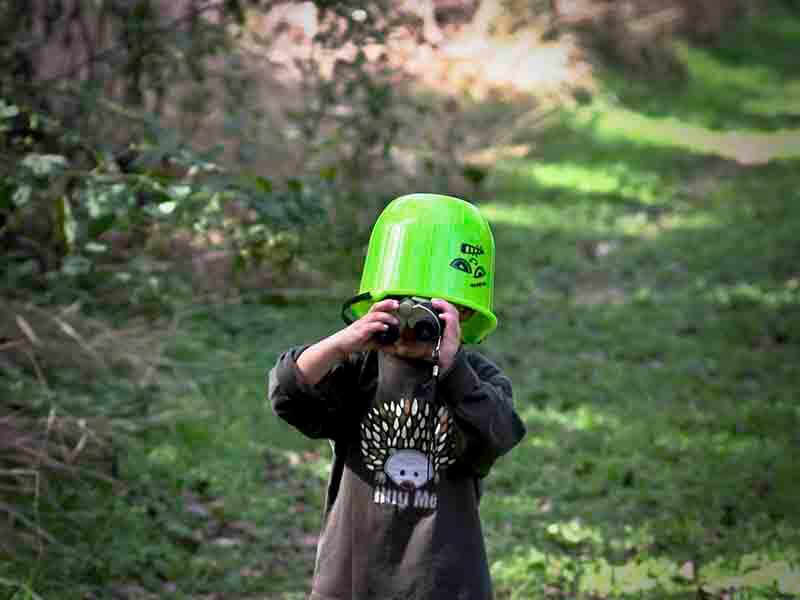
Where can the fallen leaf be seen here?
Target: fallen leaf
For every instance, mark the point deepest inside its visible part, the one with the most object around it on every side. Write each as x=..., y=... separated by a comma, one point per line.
x=198, y=510
x=250, y=572
x=170, y=587
x=226, y=542
x=687, y=571
x=217, y=509
x=247, y=527
x=552, y=591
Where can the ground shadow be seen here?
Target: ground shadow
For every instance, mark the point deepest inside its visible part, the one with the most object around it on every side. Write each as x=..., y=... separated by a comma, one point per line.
x=741, y=82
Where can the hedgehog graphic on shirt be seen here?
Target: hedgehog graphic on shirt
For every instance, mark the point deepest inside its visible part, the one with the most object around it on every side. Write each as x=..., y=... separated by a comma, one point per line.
x=406, y=443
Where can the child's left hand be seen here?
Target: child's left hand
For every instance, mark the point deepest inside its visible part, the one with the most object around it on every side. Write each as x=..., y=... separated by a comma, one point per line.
x=451, y=340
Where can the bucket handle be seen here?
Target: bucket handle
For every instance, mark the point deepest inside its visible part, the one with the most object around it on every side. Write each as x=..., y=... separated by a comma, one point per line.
x=347, y=314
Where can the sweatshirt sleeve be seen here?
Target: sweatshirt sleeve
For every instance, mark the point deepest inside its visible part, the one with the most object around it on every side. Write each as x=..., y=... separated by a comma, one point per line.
x=314, y=410
x=479, y=396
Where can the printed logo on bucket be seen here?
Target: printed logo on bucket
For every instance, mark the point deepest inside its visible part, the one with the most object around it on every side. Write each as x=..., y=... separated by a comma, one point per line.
x=469, y=264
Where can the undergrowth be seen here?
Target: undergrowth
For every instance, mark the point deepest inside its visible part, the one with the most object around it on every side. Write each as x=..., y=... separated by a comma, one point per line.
x=649, y=304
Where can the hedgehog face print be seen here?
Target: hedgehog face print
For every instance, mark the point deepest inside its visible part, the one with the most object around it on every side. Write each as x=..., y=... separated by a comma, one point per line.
x=405, y=444
x=408, y=469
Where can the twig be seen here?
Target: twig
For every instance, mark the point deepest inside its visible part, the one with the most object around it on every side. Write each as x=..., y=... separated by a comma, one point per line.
x=70, y=331
x=27, y=330
x=15, y=514
x=43, y=460
x=37, y=369
x=12, y=344
x=17, y=474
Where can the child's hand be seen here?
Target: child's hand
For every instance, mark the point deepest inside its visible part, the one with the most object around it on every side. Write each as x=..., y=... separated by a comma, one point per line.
x=318, y=359
x=358, y=336
x=451, y=340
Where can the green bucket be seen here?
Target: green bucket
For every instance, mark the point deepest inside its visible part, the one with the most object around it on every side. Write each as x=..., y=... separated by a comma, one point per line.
x=432, y=246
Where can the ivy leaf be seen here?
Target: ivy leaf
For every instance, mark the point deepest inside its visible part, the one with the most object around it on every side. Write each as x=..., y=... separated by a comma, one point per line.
x=8, y=111
x=66, y=224
x=181, y=192
x=96, y=248
x=76, y=265
x=22, y=195
x=101, y=224
x=263, y=184
x=167, y=208
x=45, y=165
x=328, y=173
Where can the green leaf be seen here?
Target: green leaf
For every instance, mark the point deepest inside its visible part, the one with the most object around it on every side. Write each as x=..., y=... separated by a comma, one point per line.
x=8, y=111
x=22, y=195
x=96, y=248
x=76, y=265
x=180, y=192
x=100, y=225
x=263, y=184
x=167, y=208
x=97, y=203
x=45, y=165
x=328, y=173
x=66, y=224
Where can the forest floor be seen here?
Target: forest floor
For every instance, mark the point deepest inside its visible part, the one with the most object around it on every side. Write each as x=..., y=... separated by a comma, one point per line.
x=648, y=293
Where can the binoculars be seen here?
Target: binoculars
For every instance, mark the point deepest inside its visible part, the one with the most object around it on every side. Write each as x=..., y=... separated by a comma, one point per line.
x=418, y=315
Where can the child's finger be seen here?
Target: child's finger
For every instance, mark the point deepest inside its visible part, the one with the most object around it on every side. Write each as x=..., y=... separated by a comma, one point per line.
x=448, y=317
x=377, y=326
x=384, y=317
x=370, y=329
x=387, y=305
x=449, y=314
x=444, y=306
x=452, y=325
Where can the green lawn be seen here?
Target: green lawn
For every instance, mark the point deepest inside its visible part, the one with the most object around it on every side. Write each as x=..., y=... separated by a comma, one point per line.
x=655, y=355
x=648, y=291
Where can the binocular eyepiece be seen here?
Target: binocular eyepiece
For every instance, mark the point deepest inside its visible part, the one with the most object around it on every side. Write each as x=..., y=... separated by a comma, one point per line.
x=418, y=315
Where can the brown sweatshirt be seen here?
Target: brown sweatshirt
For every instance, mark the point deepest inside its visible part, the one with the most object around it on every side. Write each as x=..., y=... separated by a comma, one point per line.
x=401, y=514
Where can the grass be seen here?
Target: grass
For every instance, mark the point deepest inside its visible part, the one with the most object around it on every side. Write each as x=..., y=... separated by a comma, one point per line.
x=648, y=291
x=747, y=81
x=658, y=380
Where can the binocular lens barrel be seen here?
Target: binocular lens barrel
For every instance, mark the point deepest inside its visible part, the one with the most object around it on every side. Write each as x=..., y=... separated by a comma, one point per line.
x=420, y=317
x=425, y=331
x=388, y=337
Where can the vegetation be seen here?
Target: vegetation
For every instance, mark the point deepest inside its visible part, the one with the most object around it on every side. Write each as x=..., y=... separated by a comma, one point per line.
x=648, y=295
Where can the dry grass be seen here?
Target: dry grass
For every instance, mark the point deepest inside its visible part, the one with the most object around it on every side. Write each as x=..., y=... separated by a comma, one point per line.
x=44, y=340
x=40, y=443
x=34, y=451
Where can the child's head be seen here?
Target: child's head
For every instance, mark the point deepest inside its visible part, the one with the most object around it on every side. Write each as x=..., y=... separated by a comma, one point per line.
x=409, y=345
x=432, y=246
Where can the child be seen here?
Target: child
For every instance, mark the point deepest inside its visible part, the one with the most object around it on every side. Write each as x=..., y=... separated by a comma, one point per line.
x=415, y=420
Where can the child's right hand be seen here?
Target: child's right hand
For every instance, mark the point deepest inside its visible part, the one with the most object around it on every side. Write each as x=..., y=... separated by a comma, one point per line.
x=359, y=336
x=318, y=359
